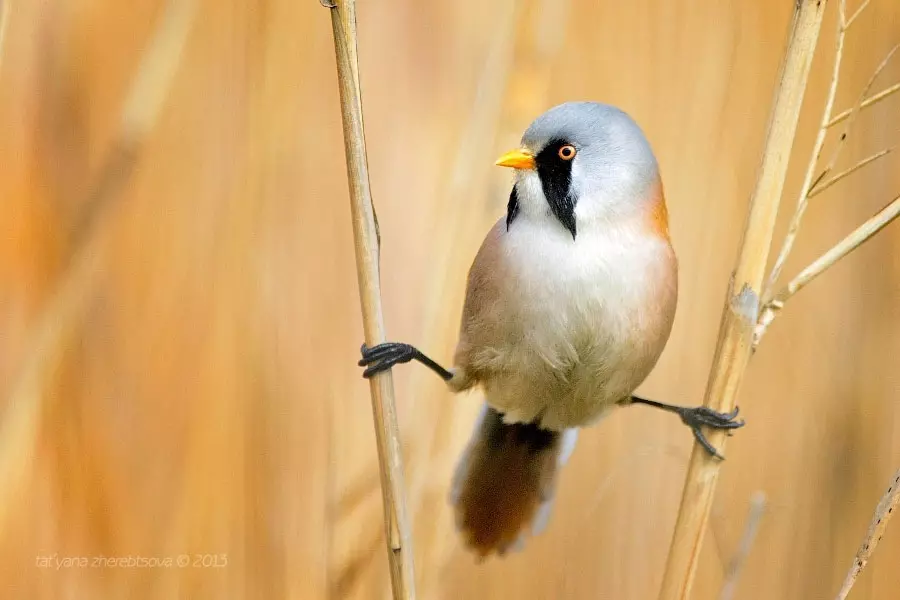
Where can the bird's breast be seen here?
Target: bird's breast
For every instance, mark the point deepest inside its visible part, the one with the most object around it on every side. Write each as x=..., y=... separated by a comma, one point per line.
x=587, y=320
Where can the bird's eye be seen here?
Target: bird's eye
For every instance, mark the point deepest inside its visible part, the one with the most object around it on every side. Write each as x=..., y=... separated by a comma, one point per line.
x=567, y=152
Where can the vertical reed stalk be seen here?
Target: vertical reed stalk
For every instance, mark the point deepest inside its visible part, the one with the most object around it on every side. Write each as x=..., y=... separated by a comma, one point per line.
x=365, y=235
x=735, y=339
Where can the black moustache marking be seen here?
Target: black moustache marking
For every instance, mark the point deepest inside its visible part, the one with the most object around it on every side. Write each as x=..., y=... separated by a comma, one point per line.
x=512, y=207
x=556, y=180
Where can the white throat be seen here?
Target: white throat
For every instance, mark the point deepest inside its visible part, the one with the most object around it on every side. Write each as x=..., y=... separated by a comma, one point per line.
x=616, y=197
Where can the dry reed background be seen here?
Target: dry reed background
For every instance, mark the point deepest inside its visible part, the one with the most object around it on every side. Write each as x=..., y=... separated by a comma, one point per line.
x=208, y=400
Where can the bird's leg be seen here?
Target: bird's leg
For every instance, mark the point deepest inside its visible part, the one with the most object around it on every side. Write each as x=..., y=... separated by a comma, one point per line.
x=694, y=417
x=384, y=356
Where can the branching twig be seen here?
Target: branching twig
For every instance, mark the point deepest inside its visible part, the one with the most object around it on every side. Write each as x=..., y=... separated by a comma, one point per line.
x=821, y=187
x=772, y=302
x=754, y=516
x=20, y=428
x=848, y=22
x=808, y=182
x=873, y=99
x=850, y=243
x=742, y=302
x=396, y=522
x=857, y=107
x=883, y=513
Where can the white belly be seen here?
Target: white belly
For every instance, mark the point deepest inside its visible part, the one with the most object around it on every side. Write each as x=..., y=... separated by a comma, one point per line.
x=586, y=322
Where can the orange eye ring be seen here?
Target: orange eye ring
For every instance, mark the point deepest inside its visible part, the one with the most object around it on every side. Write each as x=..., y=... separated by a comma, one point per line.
x=566, y=152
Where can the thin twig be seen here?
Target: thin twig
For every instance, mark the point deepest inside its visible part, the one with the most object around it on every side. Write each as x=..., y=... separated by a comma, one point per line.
x=387, y=435
x=4, y=22
x=28, y=401
x=808, y=183
x=466, y=178
x=850, y=243
x=20, y=429
x=819, y=188
x=854, y=112
x=873, y=99
x=736, y=565
x=480, y=131
x=849, y=22
x=883, y=513
x=140, y=111
x=739, y=317
x=772, y=302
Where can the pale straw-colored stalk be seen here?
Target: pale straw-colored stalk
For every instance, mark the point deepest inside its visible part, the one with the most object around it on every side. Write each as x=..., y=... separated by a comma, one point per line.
x=365, y=235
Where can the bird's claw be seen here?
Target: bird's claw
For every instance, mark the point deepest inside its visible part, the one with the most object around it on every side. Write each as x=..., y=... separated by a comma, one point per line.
x=696, y=417
x=384, y=356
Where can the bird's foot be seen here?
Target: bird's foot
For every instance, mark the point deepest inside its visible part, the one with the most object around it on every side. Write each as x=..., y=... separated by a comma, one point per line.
x=384, y=356
x=698, y=416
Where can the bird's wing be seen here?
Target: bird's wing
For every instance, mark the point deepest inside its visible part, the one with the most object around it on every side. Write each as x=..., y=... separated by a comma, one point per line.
x=482, y=315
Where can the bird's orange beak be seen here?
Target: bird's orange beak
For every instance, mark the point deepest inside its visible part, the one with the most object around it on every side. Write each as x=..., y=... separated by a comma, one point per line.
x=517, y=159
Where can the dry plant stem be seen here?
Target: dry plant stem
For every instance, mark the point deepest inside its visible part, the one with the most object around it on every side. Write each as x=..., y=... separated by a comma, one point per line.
x=146, y=95
x=854, y=112
x=883, y=513
x=873, y=99
x=803, y=199
x=467, y=170
x=848, y=22
x=846, y=173
x=742, y=302
x=58, y=322
x=812, y=188
x=4, y=22
x=21, y=425
x=736, y=565
x=850, y=243
x=396, y=521
x=772, y=302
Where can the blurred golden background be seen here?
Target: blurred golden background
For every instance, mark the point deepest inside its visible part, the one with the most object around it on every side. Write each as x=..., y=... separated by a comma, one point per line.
x=179, y=376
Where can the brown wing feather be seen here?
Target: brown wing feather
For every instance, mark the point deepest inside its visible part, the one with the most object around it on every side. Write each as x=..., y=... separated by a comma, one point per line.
x=482, y=314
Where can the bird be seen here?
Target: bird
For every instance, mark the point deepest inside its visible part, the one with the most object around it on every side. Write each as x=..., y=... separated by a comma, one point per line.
x=569, y=303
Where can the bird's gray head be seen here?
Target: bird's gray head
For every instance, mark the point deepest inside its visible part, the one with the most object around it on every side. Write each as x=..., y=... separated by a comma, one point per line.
x=580, y=163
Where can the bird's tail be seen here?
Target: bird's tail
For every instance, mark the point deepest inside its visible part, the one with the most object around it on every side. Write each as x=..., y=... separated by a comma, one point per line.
x=503, y=486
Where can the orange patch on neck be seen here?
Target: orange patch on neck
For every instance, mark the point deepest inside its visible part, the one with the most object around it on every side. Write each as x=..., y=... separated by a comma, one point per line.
x=658, y=216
